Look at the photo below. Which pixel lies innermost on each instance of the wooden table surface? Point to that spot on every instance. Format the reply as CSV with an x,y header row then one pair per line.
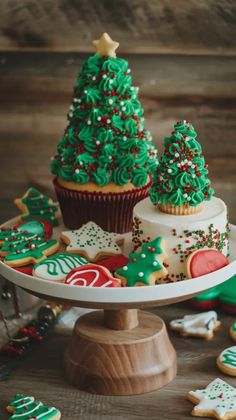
x,y
41,375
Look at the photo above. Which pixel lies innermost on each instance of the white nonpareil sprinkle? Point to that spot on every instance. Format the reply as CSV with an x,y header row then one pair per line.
x,y
111,81
171,161
176,154
77,171
104,76
154,263
97,142
123,108
193,176
169,171
189,163
94,78
143,255
125,268
178,164
110,101
189,198
128,71
89,122
99,118
124,138
140,274
122,103
185,195
85,91
108,121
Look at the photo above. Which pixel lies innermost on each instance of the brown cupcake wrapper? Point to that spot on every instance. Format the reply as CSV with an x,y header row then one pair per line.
x,y
112,211
184,210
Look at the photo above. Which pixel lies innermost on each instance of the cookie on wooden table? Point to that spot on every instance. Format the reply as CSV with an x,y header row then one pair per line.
x,y
24,408
226,361
232,331
198,325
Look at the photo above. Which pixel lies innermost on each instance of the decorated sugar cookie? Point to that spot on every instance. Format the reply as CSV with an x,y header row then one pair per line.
x,y
42,227
34,204
115,262
145,266
28,269
217,400
25,408
56,268
205,261
92,242
232,331
226,361
200,325
23,248
91,275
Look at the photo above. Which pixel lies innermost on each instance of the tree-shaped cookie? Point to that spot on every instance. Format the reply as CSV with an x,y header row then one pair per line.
x,y
24,408
36,205
180,183
145,266
23,248
105,139
217,400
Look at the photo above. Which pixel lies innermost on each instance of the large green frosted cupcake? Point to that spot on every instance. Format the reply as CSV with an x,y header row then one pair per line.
x,y
106,157
180,184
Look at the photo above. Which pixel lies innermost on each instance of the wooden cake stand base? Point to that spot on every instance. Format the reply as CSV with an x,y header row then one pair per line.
x,y
120,352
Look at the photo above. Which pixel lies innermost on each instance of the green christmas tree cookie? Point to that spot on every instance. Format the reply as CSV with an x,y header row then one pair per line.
x,y
180,183
105,139
145,266
24,408
36,205
23,248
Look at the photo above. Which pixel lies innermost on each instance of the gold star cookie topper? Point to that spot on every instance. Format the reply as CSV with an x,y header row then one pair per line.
x,y
106,46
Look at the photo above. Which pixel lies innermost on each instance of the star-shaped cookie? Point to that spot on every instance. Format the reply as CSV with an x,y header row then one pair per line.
x,y
217,400
92,242
106,46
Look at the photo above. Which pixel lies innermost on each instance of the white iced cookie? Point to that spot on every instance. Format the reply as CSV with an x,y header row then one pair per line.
x,y
199,325
92,242
226,361
217,400
58,266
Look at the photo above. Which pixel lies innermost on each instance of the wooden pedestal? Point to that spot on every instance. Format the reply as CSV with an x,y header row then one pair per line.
x,y
120,352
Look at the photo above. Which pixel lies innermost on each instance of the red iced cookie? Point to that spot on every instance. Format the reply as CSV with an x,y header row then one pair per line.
x,y
35,225
26,270
205,261
91,275
115,262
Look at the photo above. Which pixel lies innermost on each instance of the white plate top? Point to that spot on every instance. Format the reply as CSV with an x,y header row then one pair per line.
x,y
95,297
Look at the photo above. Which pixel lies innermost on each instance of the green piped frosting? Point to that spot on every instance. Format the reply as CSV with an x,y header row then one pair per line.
x,y
105,139
181,176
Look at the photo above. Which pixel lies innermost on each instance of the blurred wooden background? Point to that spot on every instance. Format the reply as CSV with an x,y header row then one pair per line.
x,y
182,54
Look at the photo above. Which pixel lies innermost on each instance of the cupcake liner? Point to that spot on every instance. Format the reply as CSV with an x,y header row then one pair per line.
x,y
183,210
112,211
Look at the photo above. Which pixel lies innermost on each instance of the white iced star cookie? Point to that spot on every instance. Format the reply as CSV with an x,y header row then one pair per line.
x,y
226,361
217,400
199,325
92,242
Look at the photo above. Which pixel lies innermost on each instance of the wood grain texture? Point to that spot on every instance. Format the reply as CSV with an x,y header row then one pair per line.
x,y
133,361
41,374
167,26
123,319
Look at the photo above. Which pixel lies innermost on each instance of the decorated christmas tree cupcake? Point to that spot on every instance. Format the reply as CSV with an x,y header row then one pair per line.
x,y
106,157
180,183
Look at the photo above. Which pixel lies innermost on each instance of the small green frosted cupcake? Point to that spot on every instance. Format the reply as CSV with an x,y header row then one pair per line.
x,y
180,184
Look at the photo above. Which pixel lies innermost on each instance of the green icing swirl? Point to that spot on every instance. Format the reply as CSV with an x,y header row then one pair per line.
x,y
181,176
105,139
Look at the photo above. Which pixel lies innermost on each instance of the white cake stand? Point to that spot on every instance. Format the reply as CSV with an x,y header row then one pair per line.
x,y
120,351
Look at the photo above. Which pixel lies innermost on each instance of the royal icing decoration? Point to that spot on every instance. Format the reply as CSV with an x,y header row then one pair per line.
x,y
218,400
41,227
146,266
115,262
228,357
92,241
25,408
205,261
202,324
22,248
91,275
34,204
58,266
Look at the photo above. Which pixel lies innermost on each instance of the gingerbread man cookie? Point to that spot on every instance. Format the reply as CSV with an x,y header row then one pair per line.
x,y
217,400
91,275
92,242
199,325
145,266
